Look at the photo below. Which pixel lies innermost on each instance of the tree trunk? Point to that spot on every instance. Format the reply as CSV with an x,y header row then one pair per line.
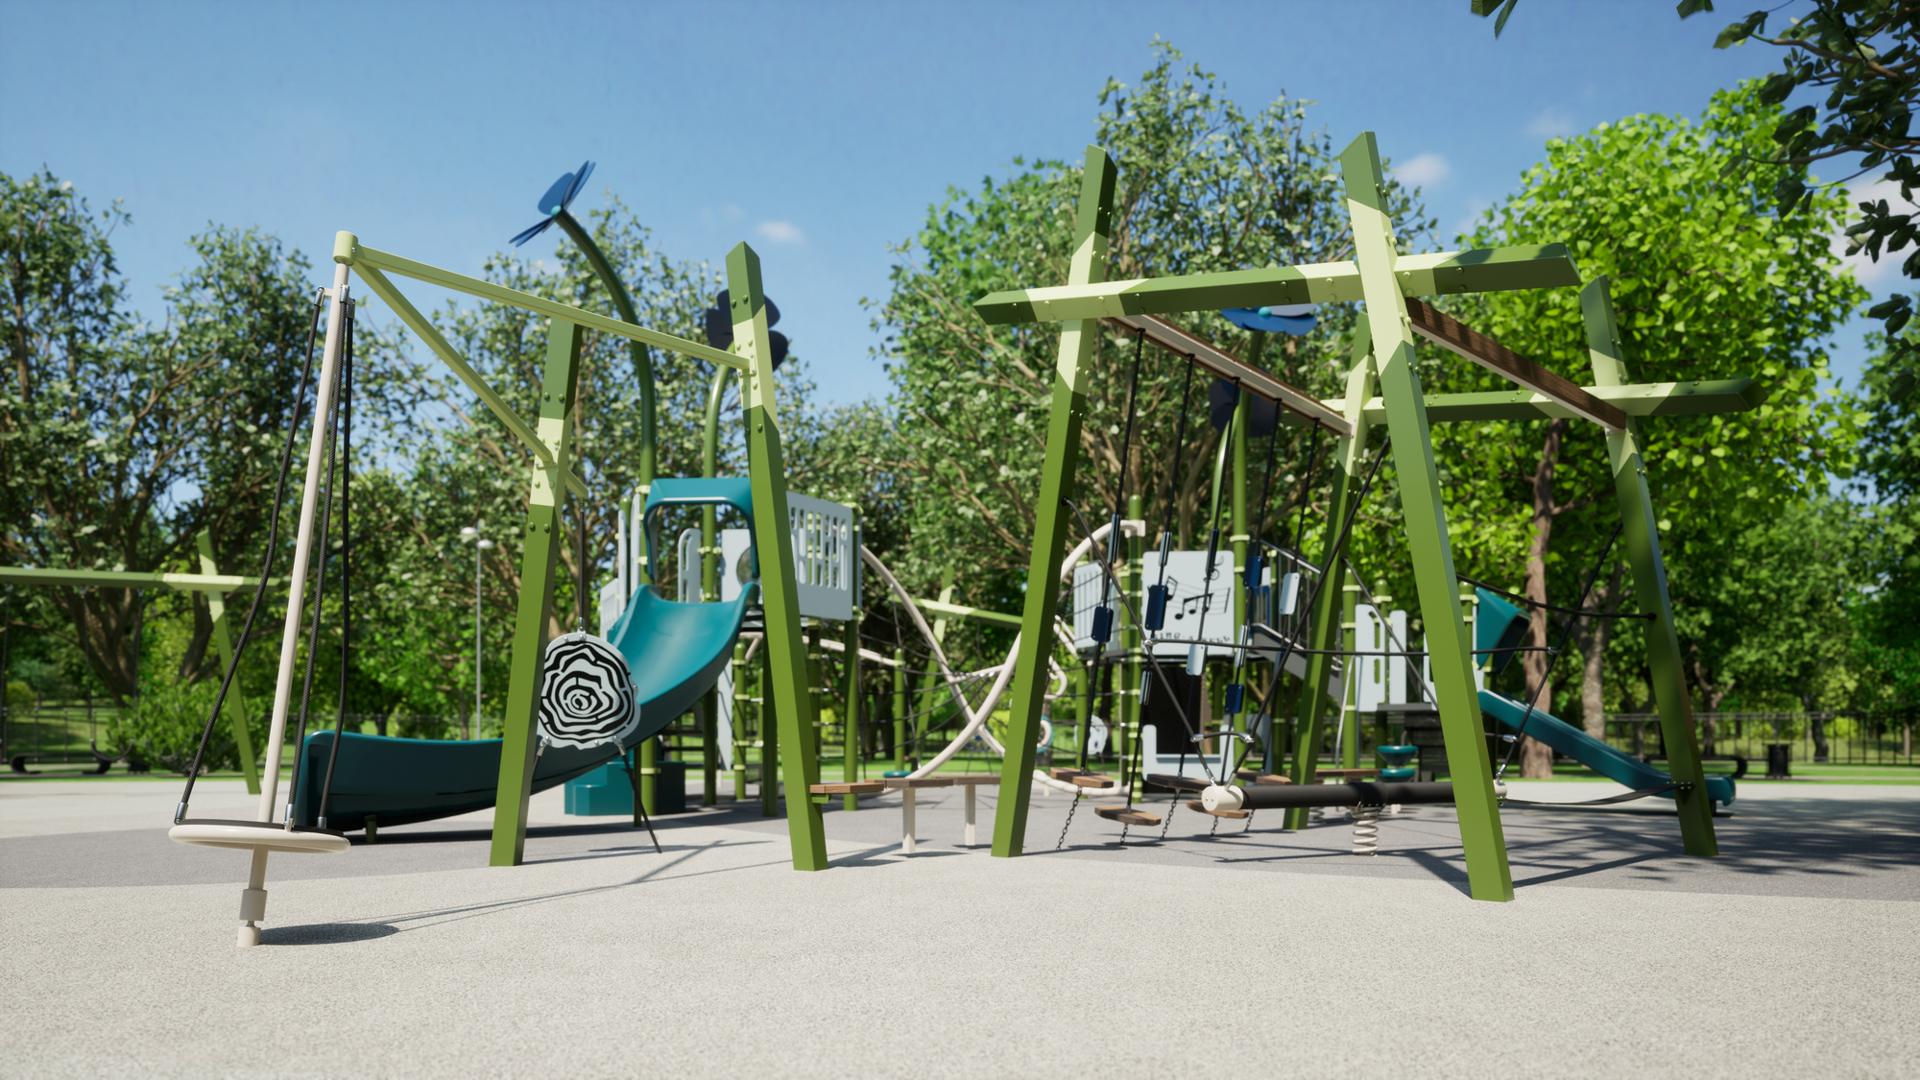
x,y
1817,724
107,623
1536,758
1709,694
1593,646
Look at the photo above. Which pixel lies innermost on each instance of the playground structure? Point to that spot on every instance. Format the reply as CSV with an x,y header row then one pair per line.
x,y
552,480
1382,384
208,582
796,559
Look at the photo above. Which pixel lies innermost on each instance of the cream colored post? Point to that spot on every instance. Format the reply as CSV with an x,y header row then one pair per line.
x,y
253,902
970,802
906,818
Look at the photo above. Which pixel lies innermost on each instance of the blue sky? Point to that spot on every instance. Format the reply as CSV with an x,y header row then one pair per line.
x,y
820,132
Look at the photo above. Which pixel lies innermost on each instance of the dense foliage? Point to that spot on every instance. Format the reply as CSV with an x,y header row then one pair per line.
x,y
121,441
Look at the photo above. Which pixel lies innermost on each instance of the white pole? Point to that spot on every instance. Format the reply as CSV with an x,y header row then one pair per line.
x,y
253,902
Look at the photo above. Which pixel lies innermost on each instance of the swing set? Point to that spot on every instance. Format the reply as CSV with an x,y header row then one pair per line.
x,y
654,636
1382,384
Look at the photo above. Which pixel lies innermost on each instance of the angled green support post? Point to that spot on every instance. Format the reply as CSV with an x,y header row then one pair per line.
x,y
1450,650
1641,537
779,592
1349,455
558,384
1052,523
238,713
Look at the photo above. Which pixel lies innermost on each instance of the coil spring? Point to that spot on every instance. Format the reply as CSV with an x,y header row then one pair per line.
x,y
1366,830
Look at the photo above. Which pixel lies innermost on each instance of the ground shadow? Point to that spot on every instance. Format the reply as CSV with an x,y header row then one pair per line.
x,y
326,933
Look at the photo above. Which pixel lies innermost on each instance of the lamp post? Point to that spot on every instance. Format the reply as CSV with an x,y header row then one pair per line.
x,y
480,544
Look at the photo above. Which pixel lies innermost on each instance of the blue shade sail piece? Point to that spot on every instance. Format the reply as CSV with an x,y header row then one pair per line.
x,y
531,231
559,195
1262,415
1293,319
579,182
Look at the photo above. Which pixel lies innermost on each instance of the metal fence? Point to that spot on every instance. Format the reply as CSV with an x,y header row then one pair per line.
x,y
55,730
1837,737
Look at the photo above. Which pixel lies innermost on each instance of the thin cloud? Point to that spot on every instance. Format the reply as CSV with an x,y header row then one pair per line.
x,y
780,232
1876,276
1551,123
1423,170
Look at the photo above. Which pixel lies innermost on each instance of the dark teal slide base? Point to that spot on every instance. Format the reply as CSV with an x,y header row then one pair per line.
x,y
1564,738
675,651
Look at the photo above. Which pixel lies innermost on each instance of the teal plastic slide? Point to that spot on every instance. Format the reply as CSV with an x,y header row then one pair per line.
x,y
1498,627
1616,765
675,652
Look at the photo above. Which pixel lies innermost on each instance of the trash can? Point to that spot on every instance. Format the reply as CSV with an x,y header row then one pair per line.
x,y
670,786
1779,755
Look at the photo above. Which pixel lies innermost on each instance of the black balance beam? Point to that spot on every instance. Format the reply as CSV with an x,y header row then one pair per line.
x,y
1360,793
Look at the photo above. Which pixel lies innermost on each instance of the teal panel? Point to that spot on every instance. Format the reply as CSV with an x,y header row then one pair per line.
x,y
1497,624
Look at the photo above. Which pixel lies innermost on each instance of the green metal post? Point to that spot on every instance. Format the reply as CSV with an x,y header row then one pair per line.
x,y
1239,536
740,741
1324,625
1082,716
769,740
238,715
710,588
558,385
1641,537
900,709
932,684
1129,728
786,655
642,357
1350,633
1092,224
851,727
1450,650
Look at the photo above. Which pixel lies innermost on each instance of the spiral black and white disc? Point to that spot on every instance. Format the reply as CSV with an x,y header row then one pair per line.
x,y
586,694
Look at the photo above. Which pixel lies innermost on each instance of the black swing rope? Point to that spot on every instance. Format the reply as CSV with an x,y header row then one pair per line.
x,y
1335,551
346,577
1098,668
1153,667
321,541
1264,709
266,559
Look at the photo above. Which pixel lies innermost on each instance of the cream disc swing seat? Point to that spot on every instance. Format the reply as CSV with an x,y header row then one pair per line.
x,y
263,835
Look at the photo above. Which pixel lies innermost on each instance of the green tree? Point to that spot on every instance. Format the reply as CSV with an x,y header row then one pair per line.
x,y
1709,283
1853,68
122,440
1204,185
1889,618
